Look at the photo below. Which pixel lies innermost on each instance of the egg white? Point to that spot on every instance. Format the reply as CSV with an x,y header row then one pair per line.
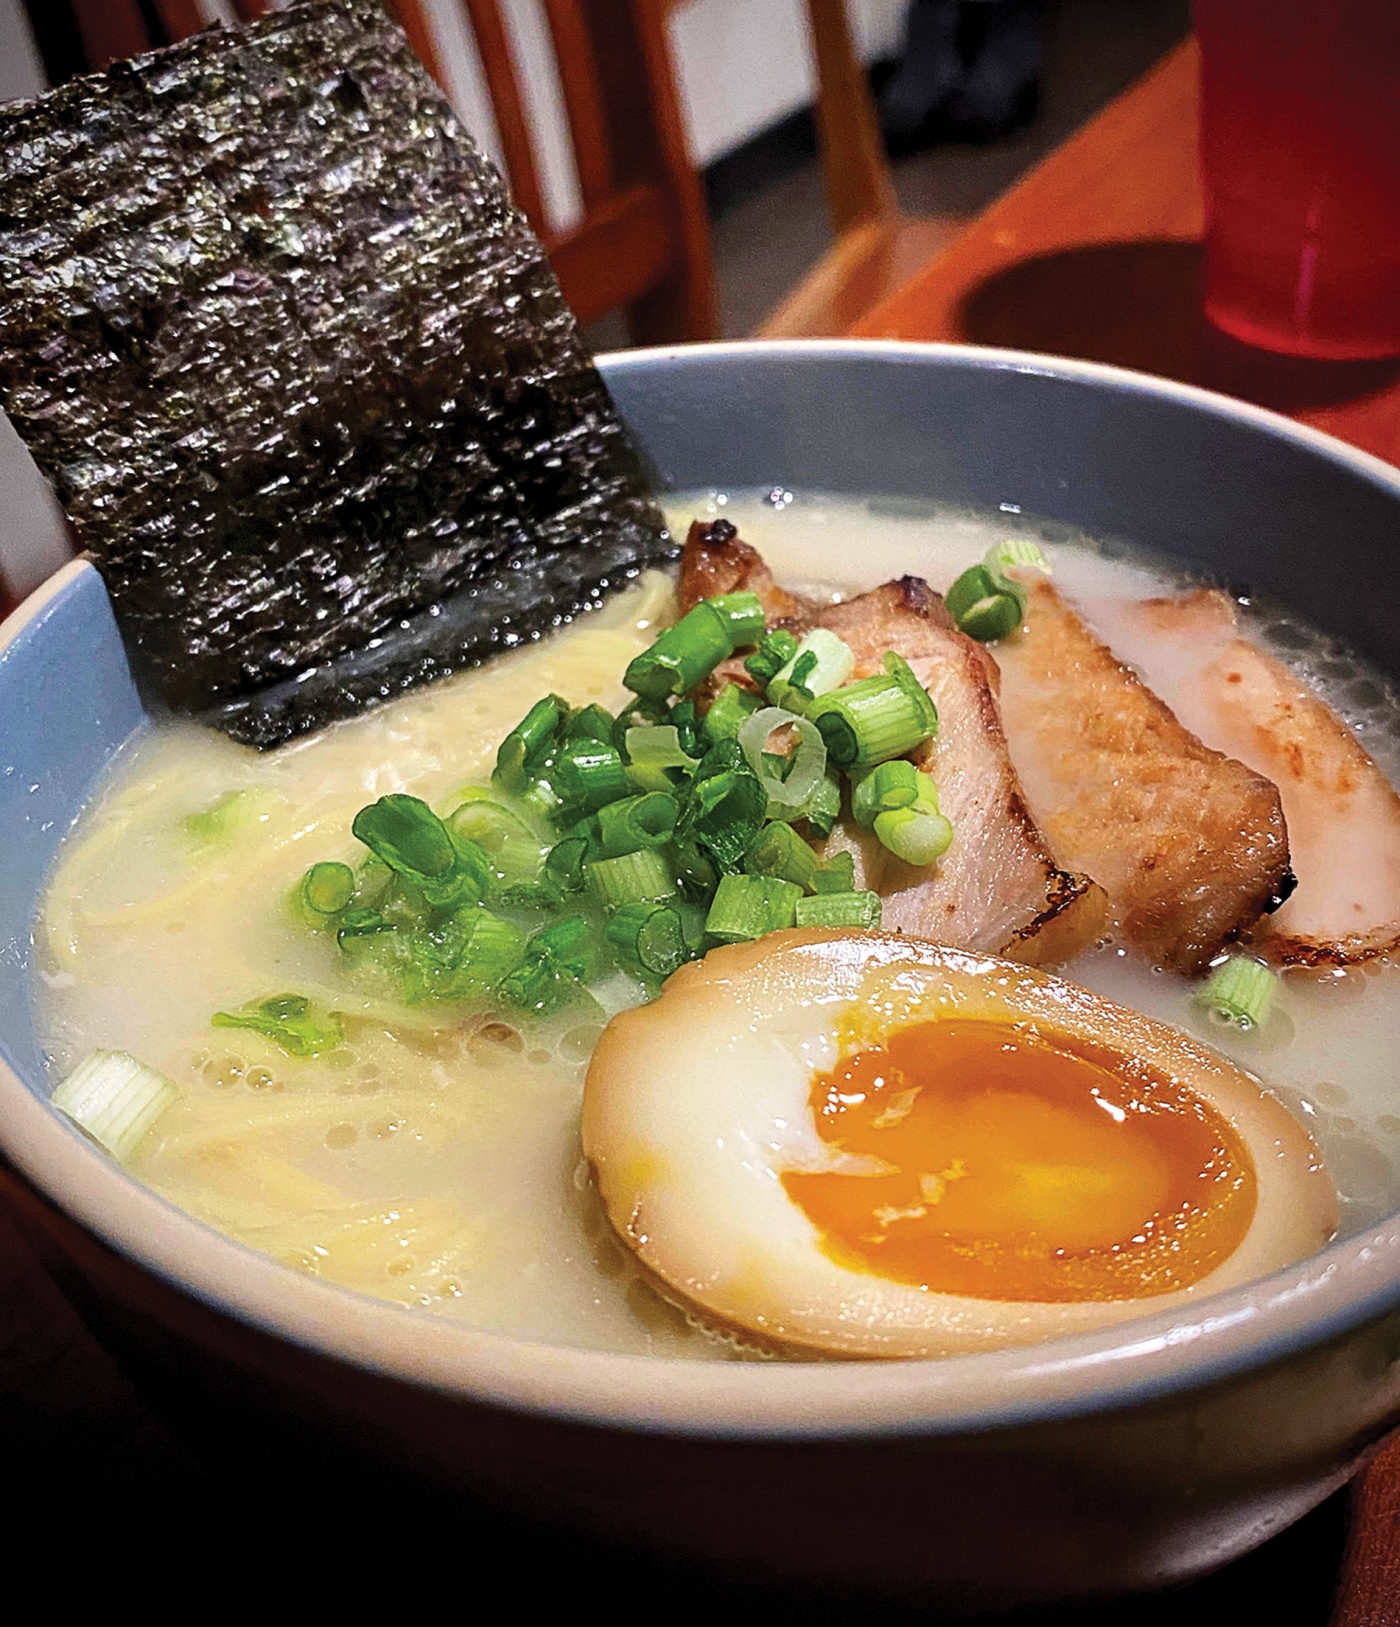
x,y
696,1105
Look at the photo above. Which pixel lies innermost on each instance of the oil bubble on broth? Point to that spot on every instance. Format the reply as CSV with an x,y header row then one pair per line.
x,y
433,1159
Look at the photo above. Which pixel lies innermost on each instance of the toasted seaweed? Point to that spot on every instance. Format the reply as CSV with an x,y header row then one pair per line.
x,y
301,375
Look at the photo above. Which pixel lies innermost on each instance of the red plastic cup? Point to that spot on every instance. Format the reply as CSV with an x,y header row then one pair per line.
x,y
1300,156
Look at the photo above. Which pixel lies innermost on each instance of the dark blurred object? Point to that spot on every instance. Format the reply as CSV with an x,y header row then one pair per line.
x,y
643,245
877,245
969,71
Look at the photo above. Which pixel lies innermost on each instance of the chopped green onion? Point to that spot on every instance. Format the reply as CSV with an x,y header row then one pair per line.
x,y
727,713
569,942
805,767
774,652
657,745
869,721
914,836
557,959
630,878
540,797
986,603
894,784
565,861
290,1021
590,774
725,804
743,614
524,749
229,815
1240,991
687,722
822,662
508,842
983,610
467,955
326,889
821,810
636,822
696,871
837,875
1002,556
114,1099
590,723
407,835
648,936
683,654
746,907
778,850
359,923
904,675
488,947
860,910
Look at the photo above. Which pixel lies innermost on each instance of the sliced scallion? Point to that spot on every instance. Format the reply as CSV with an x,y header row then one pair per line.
x,y
986,603
778,850
528,743
290,1021
823,808
636,822
746,907
837,875
894,784
807,763
728,711
649,937
513,848
683,654
917,838
1240,991
774,652
326,890
821,662
630,878
743,615
657,745
589,773
115,1099
869,721
846,909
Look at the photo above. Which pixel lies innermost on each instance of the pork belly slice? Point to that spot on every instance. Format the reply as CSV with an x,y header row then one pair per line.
x,y
717,560
1189,844
1343,815
998,888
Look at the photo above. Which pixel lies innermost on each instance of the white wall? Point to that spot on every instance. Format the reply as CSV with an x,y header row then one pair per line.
x,y
742,64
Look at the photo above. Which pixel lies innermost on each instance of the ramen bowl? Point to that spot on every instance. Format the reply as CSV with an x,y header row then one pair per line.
x,y
1139,1455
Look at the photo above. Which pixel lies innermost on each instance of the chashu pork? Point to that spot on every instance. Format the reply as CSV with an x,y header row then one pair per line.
x,y
998,888
1189,844
1343,815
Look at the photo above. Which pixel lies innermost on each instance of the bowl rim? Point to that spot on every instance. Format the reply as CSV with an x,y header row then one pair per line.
x,y
1146,1359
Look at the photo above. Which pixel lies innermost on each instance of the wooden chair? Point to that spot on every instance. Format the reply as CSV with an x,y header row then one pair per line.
x,y
878,248
643,244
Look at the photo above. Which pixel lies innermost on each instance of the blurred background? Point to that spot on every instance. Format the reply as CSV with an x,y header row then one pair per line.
x,y
969,93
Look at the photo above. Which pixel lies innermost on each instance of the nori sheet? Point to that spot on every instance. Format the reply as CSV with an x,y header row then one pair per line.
x,y
300,374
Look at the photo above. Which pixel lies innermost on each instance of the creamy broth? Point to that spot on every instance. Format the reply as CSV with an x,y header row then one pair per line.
x,y
433,1159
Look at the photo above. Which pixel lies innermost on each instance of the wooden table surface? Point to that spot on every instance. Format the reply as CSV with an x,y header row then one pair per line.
x,y
1093,255
1096,254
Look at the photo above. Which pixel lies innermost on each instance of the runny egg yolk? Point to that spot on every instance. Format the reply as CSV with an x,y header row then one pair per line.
x,y
990,1161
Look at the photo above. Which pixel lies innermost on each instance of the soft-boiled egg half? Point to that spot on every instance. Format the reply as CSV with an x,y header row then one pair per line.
x,y
866,1145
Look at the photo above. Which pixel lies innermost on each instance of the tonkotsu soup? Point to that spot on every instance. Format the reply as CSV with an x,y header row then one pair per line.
x,y
432,1154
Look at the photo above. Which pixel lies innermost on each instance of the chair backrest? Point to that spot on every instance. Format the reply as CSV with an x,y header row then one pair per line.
x,y
642,246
